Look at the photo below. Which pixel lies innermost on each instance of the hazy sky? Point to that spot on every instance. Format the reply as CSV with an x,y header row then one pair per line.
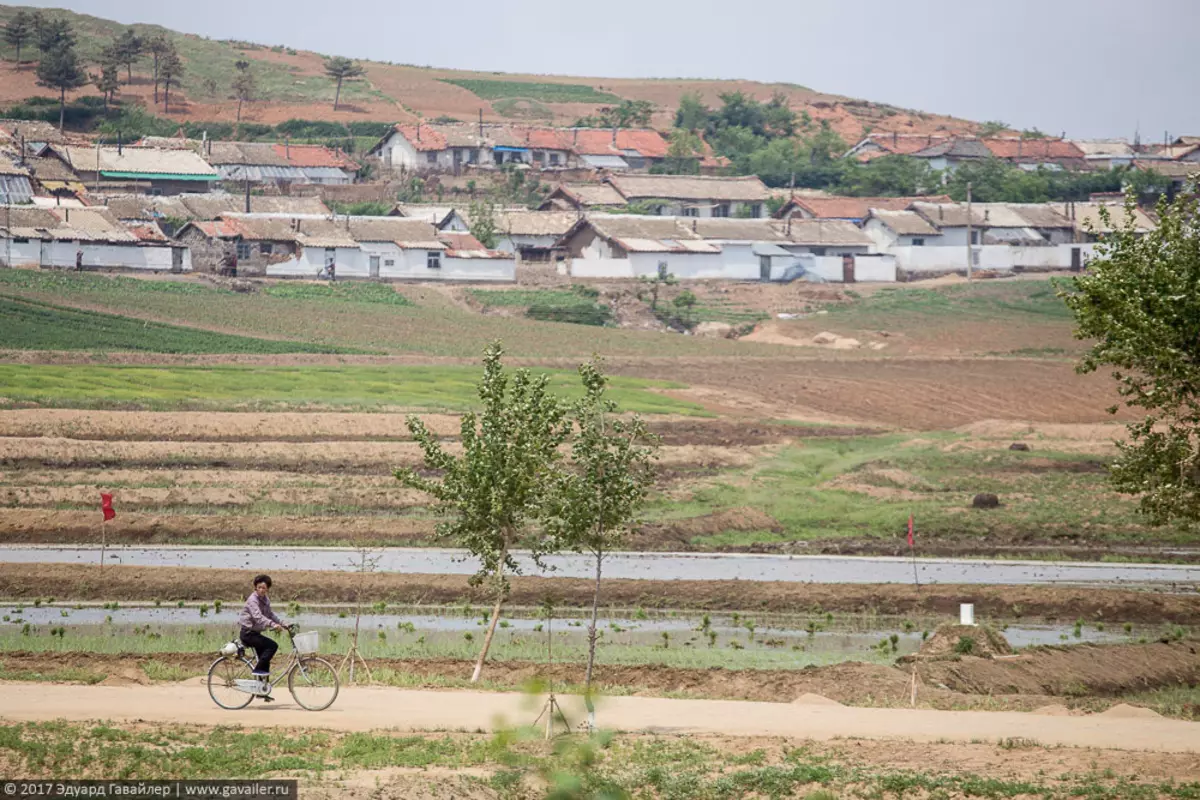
x,y
1087,67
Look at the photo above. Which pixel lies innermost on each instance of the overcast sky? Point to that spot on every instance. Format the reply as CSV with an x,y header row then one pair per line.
x,y
1087,67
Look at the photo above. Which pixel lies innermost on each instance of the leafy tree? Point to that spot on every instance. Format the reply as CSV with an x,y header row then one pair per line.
x,y
740,110
108,81
777,162
54,34
342,69
992,127
483,223
736,142
128,48
629,114
170,72
593,503
778,117
692,115
890,175
1140,303
244,84
683,154
59,69
1032,133
493,491
825,146
19,30
157,47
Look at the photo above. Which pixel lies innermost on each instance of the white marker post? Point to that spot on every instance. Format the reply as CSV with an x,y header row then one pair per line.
x,y
966,614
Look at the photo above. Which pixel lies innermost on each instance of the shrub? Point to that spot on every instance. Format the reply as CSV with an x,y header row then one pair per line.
x,y
965,646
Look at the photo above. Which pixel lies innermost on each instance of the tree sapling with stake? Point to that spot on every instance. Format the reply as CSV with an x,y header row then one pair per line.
x,y
498,486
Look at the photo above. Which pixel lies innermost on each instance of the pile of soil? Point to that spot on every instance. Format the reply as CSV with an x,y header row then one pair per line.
x,y
949,642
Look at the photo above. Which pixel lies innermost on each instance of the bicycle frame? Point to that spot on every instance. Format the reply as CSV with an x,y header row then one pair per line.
x,y
293,662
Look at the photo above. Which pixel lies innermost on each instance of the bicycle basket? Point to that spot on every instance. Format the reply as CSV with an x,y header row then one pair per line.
x,y
305,642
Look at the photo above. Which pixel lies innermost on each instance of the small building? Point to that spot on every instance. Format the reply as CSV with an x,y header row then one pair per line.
x,y
16,188
531,235
877,145
427,147
169,214
444,218
1178,174
694,195
262,163
1091,225
86,238
1106,153
989,223
888,229
147,170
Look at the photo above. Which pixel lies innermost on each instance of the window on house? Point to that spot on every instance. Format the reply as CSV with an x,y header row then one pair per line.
x,y
266,248
20,241
974,237
918,242
691,212
818,251
472,156
756,210
431,158
721,210
433,259
389,262
243,249
554,159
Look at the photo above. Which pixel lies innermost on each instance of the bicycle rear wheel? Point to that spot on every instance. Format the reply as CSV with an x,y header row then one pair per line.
x,y
313,683
223,687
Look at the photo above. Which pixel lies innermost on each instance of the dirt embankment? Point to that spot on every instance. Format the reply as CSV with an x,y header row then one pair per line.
x,y
88,582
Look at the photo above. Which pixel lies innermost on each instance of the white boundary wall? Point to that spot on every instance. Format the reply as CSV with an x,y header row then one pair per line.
x,y
990,257
61,255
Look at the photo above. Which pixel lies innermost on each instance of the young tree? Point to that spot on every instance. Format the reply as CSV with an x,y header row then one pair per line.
x,y
692,115
483,223
128,48
492,492
243,85
170,71
157,47
1138,302
342,69
59,69
593,502
683,154
53,34
108,81
19,30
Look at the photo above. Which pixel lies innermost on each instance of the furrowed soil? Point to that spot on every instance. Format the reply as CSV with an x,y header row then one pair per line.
x,y
126,583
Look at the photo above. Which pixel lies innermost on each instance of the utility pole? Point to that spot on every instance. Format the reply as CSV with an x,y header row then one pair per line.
x,y
970,249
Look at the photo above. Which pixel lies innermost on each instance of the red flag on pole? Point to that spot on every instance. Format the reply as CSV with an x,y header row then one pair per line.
x,y
106,506
910,530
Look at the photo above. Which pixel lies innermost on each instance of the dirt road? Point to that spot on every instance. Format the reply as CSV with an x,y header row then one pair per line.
x,y
376,708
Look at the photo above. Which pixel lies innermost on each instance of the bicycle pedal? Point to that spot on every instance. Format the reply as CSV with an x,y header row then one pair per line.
x,y
266,698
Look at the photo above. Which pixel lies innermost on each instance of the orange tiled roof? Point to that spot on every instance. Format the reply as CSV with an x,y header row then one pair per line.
x,y
859,207
1032,148
313,155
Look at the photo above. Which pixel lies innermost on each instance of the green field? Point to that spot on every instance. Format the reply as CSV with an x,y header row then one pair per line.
x,y
218,387
28,325
542,92
367,317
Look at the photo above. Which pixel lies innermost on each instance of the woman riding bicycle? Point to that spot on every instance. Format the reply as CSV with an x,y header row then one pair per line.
x,y
255,618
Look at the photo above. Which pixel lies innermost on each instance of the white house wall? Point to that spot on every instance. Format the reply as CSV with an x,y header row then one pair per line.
x,y
478,269
25,253
61,255
989,257
875,268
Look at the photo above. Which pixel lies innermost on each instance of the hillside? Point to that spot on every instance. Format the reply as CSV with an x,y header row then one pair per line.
x,y
292,85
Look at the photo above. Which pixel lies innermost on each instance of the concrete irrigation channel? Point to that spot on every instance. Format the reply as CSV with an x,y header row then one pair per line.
x,y
635,566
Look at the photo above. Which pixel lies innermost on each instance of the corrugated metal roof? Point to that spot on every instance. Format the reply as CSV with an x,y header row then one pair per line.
x,y
139,162
690,187
604,161
905,223
15,189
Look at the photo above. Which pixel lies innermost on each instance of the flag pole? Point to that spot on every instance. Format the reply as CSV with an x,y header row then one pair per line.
x,y
103,541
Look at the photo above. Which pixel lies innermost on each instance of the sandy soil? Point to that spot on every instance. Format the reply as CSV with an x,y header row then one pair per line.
x,y
80,582
370,708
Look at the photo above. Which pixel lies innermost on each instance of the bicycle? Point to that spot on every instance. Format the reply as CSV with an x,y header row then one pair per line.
x,y
312,681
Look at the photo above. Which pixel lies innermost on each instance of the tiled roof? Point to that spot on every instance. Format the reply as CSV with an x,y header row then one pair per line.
x,y
1032,148
695,234
690,187
858,207
824,232
1170,169
737,230
1040,215
1087,219
905,223
313,155
592,194
896,144
1103,148
208,206
137,160
535,223
597,141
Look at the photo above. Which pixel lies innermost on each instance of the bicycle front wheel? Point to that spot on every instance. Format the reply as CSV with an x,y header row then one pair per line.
x,y
313,683
223,687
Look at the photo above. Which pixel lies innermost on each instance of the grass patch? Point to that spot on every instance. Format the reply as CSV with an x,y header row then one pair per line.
x,y
541,92
517,761
576,306
350,292
63,675
866,486
30,325
443,388
522,108
434,325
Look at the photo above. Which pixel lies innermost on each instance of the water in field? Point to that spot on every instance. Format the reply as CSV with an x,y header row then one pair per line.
x,y
730,640
636,566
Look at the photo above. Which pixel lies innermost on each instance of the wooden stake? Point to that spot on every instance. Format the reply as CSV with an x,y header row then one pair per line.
x,y
103,541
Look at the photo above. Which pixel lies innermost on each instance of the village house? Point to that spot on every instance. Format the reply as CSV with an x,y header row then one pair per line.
x,y
1106,153
16,186
143,169
851,209
531,235
261,163
1090,223
1178,174
384,248
694,195
444,218
581,197
87,238
169,214
429,147
633,246
890,228
948,152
